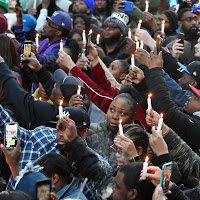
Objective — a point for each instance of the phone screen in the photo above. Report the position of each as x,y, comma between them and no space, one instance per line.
43,191
166,175
27,49
11,135
172,3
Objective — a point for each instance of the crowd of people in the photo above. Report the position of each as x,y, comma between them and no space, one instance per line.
105,96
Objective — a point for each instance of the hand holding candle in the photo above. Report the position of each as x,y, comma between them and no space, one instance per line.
149,102
160,122
61,110
120,127
145,165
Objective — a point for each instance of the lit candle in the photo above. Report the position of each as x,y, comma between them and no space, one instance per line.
149,102
120,127
132,62
145,165
177,7
97,40
37,41
79,90
141,44
61,110
40,98
9,24
61,45
137,42
139,24
34,4
160,122
84,37
163,26
147,6
129,33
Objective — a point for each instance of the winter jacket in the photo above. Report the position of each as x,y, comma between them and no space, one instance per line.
103,87
187,127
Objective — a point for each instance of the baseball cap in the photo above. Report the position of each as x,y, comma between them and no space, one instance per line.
61,19
4,4
121,19
90,4
3,23
195,90
193,69
29,22
67,84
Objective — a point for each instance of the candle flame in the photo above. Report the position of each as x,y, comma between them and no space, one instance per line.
129,29
120,121
161,115
146,159
132,55
149,95
61,40
37,35
136,39
61,102
98,36
163,21
84,31
140,21
79,87
147,2
158,36
40,98
90,32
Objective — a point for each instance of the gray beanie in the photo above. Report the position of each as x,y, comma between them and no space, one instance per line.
121,19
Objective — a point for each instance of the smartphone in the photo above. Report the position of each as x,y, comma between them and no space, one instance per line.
27,48
196,8
166,175
126,6
158,44
43,189
182,37
10,135
172,3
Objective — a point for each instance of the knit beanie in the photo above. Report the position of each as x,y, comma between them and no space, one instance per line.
121,19
3,23
90,4
4,4
173,19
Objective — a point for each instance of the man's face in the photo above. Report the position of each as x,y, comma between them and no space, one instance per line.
111,33
56,94
50,29
119,189
189,23
80,7
197,49
119,109
185,80
193,104
100,4
159,22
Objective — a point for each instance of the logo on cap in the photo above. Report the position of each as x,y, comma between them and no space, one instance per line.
195,73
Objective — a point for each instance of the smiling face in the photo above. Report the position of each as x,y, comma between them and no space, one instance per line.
119,109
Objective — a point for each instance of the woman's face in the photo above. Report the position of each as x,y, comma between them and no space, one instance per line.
78,38
115,70
79,23
119,109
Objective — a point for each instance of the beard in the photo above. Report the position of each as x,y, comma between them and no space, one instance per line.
191,33
113,39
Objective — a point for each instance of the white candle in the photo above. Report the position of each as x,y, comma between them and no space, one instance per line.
132,62
129,33
177,7
141,44
61,45
120,127
35,4
79,90
160,122
145,165
9,24
84,37
61,110
137,42
97,40
149,102
37,41
139,24
163,26
147,6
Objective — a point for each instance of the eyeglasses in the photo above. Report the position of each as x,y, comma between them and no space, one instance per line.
111,26
189,19
48,23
